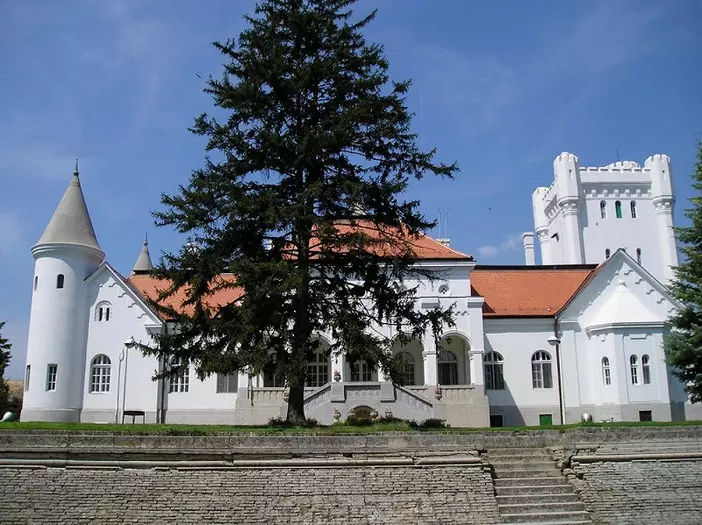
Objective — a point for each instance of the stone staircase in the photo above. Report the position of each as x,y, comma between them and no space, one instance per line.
531,489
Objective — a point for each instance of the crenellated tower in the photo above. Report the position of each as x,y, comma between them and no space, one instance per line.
66,254
590,212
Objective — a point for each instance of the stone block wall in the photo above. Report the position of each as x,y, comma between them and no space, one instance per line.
635,492
456,494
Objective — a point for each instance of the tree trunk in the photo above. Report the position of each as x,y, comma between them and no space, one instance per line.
296,396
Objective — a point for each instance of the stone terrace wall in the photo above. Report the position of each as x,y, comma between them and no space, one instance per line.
378,495
638,492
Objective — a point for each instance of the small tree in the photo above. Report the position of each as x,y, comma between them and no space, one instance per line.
683,347
5,347
300,199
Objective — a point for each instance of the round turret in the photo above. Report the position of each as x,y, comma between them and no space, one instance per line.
66,254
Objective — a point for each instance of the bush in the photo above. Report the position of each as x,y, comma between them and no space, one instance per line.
432,422
280,422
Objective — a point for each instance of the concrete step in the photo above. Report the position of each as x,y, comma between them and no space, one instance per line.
547,517
533,490
530,482
546,497
527,473
539,507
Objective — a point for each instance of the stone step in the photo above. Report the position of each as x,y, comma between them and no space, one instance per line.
527,473
574,521
534,490
539,507
546,497
530,482
518,452
533,463
551,518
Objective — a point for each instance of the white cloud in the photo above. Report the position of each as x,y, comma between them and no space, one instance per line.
509,243
10,233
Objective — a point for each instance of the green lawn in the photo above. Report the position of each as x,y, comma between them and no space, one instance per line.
205,430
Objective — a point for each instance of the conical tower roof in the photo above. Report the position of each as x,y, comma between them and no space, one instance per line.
143,262
71,222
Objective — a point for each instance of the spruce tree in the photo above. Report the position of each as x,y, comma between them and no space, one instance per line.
309,152
683,346
5,347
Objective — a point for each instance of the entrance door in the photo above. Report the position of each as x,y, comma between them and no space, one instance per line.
545,420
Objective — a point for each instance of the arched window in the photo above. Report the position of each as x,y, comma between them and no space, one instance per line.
618,209
646,369
103,311
180,381
447,368
100,368
494,380
638,255
362,371
633,209
59,280
607,253
318,370
603,209
408,376
606,374
634,363
541,376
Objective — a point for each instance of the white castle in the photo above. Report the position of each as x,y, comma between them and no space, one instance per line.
581,333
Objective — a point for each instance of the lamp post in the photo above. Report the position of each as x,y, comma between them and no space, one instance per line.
123,356
556,343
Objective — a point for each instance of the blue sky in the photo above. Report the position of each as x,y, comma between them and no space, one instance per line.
499,86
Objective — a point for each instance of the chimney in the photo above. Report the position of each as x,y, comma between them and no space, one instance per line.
528,239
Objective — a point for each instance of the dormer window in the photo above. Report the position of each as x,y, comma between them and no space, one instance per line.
59,280
102,312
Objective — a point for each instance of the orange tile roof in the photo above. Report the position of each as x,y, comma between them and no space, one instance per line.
423,246
528,291
150,287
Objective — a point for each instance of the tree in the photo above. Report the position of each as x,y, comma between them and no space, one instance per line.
683,346
300,199
5,347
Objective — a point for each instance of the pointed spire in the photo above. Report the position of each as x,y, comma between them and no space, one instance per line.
70,223
143,263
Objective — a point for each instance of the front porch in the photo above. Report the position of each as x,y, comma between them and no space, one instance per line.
443,383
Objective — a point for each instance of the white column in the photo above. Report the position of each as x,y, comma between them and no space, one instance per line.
573,249
545,244
476,367
429,357
666,236
528,241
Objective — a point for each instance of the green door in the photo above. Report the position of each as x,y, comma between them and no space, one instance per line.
545,420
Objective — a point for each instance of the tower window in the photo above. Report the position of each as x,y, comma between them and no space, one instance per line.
638,255
607,253
606,374
51,373
634,363
26,377
59,280
36,282
603,209
633,209
618,209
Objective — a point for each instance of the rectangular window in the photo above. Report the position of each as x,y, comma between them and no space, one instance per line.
51,372
180,382
26,378
496,420
227,383
645,415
